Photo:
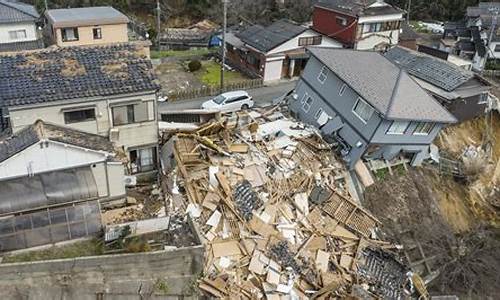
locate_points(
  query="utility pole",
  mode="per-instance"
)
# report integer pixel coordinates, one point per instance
(224, 27)
(158, 24)
(493, 25)
(408, 12)
(46, 4)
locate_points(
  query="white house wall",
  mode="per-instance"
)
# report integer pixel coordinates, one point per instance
(371, 39)
(116, 174)
(55, 156)
(294, 43)
(381, 18)
(273, 70)
(130, 135)
(31, 32)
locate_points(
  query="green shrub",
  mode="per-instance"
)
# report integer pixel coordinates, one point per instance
(194, 65)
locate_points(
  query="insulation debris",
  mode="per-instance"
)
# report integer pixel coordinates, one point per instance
(270, 202)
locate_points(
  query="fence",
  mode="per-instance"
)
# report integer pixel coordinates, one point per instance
(491, 73)
(213, 90)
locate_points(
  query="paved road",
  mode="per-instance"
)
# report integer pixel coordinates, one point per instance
(262, 96)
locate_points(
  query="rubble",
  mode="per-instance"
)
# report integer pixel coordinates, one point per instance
(270, 202)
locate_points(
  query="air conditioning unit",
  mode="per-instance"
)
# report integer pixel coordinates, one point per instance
(114, 134)
(130, 181)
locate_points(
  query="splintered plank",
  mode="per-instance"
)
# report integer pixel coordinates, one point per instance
(350, 214)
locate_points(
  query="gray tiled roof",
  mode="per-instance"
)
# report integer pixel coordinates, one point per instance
(97, 15)
(46, 131)
(267, 38)
(13, 12)
(358, 7)
(407, 33)
(430, 69)
(58, 74)
(19, 46)
(389, 89)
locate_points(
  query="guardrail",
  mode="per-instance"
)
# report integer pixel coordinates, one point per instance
(214, 90)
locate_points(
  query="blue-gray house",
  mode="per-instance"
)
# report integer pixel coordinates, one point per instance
(367, 104)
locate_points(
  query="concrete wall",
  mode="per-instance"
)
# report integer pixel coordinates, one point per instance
(125, 276)
(130, 135)
(113, 33)
(30, 27)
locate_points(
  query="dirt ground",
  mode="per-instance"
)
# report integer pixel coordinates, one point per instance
(173, 76)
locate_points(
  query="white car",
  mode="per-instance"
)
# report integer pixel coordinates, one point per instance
(229, 102)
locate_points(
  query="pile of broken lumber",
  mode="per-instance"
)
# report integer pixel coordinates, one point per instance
(268, 197)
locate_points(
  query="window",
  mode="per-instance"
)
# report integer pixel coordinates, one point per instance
(318, 113)
(17, 34)
(497, 48)
(423, 128)
(97, 33)
(483, 98)
(142, 160)
(236, 99)
(307, 104)
(362, 110)
(69, 34)
(341, 21)
(372, 27)
(323, 74)
(312, 40)
(342, 89)
(77, 116)
(132, 113)
(398, 127)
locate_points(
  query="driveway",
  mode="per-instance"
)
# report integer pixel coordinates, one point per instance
(262, 97)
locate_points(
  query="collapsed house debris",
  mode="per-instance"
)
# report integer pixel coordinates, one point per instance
(270, 202)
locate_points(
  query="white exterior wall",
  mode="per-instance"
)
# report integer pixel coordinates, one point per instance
(369, 40)
(116, 177)
(274, 64)
(491, 51)
(31, 32)
(294, 43)
(130, 135)
(273, 69)
(53, 156)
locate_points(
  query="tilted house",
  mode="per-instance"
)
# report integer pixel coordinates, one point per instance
(106, 90)
(276, 51)
(367, 104)
(86, 26)
(19, 27)
(51, 180)
(462, 92)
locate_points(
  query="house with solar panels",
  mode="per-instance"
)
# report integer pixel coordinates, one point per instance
(464, 93)
(367, 105)
(274, 52)
(45, 201)
(105, 90)
(19, 27)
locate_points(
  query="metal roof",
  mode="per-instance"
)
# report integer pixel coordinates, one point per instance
(433, 70)
(64, 73)
(359, 7)
(267, 38)
(389, 89)
(14, 12)
(41, 130)
(19, 46)
(85, 16)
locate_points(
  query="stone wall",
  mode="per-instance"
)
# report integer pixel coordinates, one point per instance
(169, 274)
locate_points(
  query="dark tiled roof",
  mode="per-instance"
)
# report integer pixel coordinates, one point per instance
(74, 72)
(430, 69)
(267, 38)
(19, 46)
(46, 131)
(389, 89)
(13, 11)
(358, 7)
